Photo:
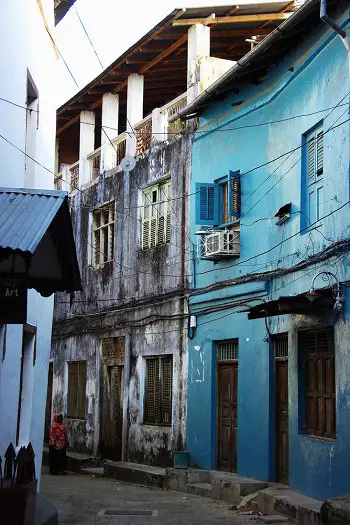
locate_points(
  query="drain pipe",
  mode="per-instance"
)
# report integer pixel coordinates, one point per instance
(325, 18)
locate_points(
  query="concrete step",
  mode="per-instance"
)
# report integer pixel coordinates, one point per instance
(200, 489)
(229, 487)
(75, 460)
(97, 472)
(134, 473)
(282, 500)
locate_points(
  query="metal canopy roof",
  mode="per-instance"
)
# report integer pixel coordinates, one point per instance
(36, 238)
(304, 303)
(161, 55)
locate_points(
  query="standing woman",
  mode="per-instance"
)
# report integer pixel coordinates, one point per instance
(58, 444)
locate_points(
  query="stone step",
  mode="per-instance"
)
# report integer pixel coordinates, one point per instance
(282, 500)
(75, 460)
(200, 489)
(97, 472)
(232, 488)
(134, 473)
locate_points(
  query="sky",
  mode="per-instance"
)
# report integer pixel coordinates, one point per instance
(113, 26)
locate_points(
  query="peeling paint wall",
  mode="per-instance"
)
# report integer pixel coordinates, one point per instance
(311, 83)
(140, 293)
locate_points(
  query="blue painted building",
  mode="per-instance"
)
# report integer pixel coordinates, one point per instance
(269, 361)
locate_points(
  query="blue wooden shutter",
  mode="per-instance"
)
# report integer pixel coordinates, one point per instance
(206, 204)
(234, 194)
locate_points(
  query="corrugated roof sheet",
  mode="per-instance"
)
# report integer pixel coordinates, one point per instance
(25, 216)
(61, 9)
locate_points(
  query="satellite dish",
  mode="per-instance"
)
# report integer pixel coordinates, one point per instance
(128, 163)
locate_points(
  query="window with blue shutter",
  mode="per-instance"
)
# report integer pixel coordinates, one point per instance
(312, 187)
(219, 203)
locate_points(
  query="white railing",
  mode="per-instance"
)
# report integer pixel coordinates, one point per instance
(143, 132)
(171, 109)
(94, 162)
(218, 244)
(119, 150)
(74, 176)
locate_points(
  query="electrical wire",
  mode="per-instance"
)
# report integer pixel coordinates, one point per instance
(87, 35)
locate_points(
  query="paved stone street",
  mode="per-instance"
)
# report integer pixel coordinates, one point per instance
(88, 500)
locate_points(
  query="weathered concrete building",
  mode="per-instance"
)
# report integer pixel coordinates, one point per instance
(119, 351)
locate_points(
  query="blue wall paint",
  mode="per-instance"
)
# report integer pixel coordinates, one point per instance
(319, 79)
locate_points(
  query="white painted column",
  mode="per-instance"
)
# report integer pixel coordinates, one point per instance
(86, 143)
(134, 109)
(109, 130)
(159, 125)
(198, 49)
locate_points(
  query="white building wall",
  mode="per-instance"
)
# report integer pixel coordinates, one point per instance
(25, 45)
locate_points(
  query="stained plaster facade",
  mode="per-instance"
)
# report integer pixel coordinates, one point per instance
(142, 292)
(312, 76)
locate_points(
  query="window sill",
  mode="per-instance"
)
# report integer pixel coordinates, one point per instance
(157, 425)
(318, 438)
(68, 418)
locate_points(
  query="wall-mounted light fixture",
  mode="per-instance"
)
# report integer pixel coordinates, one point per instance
(326, 276)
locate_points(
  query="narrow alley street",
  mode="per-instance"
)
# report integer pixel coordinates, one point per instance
(87, 500)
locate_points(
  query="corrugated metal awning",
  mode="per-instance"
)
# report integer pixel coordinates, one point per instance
(36, 238)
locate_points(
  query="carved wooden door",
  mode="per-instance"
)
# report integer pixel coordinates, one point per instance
(227, 416)
(112, 426)
(281, 404)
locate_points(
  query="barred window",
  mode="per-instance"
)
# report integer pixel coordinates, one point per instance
(317, 353)
(155, 215)
(76, 390)
(103, 234)
(158, 391)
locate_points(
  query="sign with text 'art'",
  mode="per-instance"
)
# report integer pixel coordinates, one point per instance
(13, 299)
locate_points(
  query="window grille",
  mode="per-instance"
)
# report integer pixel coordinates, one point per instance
(158, 391)
(76, 390)
(317, 350)
(155, 215)
(103, 234)
(228, 350)
(281, 347)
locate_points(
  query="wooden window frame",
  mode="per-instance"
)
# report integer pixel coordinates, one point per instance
(103, 235)
(313, 175)
(78, 411)
(218, 203)
(318, 366)
(158, 412)
(155, 215)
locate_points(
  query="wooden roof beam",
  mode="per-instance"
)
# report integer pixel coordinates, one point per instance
(262, 17)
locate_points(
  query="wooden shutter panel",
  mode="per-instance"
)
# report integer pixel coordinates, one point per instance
(311, 159)
(81, 394)
(167, 372)
(234, 194)
(152, 397)
(206, 204)
(319, 167)
(72, 389)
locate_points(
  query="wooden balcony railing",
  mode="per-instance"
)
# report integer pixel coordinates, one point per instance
(143, 132)
(74, 176)
(94, 161)
(119, 150)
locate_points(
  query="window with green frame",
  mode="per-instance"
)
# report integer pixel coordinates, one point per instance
(156, 215)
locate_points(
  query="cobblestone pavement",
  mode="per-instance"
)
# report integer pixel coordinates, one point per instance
(84, 499)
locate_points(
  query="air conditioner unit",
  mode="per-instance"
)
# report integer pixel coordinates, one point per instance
(219, 244)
